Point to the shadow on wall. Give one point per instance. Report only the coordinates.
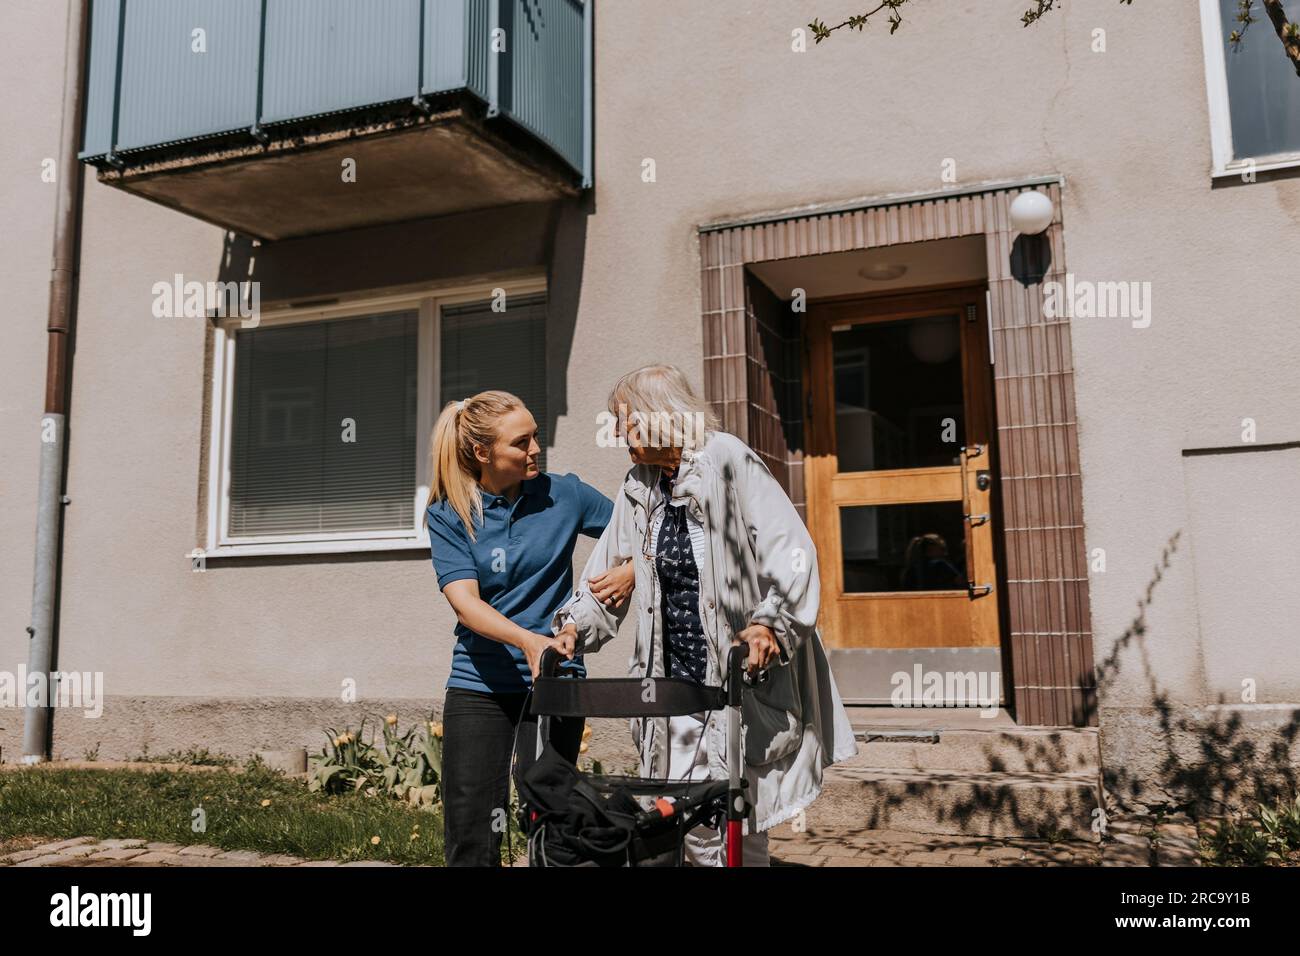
(1190, 763)
(1031, 259)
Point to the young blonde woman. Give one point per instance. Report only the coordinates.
(721, 556)
(502, 536)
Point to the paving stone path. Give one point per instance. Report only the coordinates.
(1129, 842)
(89, 851)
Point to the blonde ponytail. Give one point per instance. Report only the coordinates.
(453, 469)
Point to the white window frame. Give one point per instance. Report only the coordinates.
(429, 305)
(1216, 86)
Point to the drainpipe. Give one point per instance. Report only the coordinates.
(60, 324)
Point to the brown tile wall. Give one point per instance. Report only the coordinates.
(774, 386)
(752, 378)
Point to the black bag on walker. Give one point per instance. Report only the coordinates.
(573, 823)
(578, 819)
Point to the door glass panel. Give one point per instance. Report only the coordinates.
(913, 547)
(898, 394)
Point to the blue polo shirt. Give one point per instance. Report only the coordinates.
(523, 562)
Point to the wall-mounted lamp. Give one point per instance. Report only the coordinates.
(1031, 213)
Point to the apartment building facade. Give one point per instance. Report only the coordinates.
(1049, 466)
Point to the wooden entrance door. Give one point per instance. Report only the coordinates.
(899, 473)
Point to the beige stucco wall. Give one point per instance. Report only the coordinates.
(736, 123)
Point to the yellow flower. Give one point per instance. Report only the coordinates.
(266, 803)
(436, 729)
(586, 731)
(374, 840)
(338, 741)
(391, 720)
(584, 748)
(414, 837)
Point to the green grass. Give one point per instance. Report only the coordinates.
(195, 756)
(159, 806)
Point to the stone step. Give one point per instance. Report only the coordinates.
(1031, 750)
(958, 801)
(930, 718)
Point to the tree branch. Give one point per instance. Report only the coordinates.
(1287, 31)
(821, 31)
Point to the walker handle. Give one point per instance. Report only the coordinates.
(737, 657)
(549, 666)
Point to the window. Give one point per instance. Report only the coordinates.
(1253, 91)
(323, 433)
(322, 419)
(473, 359)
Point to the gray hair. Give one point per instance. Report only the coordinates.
(660, 400)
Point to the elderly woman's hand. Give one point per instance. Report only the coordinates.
(568, 640)
(763, 646)
(612, 587)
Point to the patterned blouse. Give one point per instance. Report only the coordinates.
(679, 578)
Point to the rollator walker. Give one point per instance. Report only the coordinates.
(572, 818)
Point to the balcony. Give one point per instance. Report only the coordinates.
(283, 118)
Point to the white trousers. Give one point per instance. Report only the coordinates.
(689, 759)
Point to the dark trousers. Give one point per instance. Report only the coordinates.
(478, 734)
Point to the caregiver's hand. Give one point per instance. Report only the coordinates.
(763, 647)
(612, 587)
(536, 644)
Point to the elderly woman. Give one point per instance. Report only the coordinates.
(720, 556)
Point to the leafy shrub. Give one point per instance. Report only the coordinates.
(408, 767)
(1269, 835)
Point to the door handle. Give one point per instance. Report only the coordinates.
(982, 589)
(983, 480)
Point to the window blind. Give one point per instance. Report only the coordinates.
(323, 431)
(482, 349)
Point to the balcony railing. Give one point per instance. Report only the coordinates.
(181, 86)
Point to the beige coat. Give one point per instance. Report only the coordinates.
(761, 567)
